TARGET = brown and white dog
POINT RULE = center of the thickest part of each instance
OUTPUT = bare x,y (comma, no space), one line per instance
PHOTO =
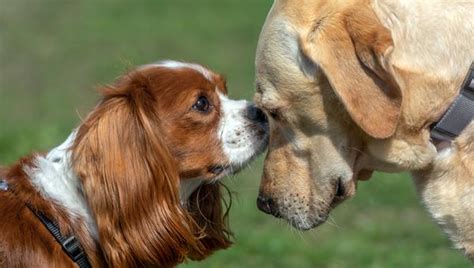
136,182
353,86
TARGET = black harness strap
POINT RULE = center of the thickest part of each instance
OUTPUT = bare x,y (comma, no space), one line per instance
70,244
459,114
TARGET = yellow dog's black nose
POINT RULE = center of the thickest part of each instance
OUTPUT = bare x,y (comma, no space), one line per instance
267,205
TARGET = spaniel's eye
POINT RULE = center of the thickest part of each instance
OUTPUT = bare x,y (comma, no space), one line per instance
202,104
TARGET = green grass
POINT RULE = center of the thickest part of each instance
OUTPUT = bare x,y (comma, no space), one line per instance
53,54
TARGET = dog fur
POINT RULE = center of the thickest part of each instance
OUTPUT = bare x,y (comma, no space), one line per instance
352,87
447,189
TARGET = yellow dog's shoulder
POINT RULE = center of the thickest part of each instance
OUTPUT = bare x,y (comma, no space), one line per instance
447,190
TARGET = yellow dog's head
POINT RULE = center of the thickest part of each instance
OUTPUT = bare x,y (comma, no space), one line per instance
332,102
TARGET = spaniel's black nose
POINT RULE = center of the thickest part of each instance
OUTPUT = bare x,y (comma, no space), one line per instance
255,114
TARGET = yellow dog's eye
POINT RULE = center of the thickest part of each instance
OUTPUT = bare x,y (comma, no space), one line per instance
274,114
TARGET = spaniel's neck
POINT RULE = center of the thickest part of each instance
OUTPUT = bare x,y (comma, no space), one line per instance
53,176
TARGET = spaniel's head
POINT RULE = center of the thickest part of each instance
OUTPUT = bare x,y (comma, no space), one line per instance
150,155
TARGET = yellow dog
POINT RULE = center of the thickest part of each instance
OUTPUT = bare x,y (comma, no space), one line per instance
353,86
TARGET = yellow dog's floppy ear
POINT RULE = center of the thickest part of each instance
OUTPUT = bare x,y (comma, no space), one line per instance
350,48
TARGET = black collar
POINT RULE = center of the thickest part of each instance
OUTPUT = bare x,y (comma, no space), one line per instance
70,244
459,114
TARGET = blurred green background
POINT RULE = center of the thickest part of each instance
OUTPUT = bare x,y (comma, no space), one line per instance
54,54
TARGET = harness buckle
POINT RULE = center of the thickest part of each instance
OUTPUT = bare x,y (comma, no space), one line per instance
73,248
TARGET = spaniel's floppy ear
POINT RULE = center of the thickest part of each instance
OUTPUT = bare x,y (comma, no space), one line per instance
351,47
130,180
205,206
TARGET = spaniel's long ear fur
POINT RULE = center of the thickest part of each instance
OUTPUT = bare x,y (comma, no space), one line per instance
131,181
206,207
